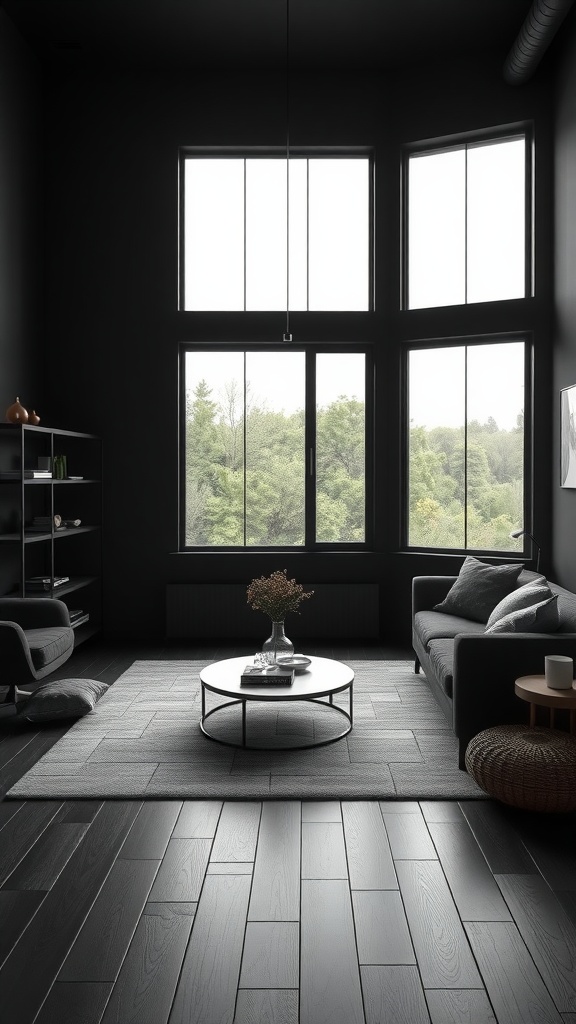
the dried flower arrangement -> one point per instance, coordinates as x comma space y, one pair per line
276, 595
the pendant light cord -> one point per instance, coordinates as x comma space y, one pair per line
287, 336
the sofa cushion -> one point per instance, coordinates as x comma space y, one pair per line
62, 698
478, 589
442, 657
436, 625
523, 597
46, 645
537, 618
566, 609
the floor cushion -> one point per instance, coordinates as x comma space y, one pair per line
62, 698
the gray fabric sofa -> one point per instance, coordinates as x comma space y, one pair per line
472, 674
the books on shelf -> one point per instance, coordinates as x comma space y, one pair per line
29, 474
78, 617
45, 582
271, 675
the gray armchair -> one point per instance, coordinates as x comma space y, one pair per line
35, 639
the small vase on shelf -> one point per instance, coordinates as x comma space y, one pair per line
16, 413
278, 645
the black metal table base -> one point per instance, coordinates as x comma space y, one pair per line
244, 745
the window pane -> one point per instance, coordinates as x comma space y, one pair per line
496, 221
466, 447
339, 234
214, 234
436, 229
275, 448
340, 447
495, 450
298, 234
214, 451
436, 413
265, 234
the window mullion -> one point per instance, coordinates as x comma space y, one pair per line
465, 447
310, 454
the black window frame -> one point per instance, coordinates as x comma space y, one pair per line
445, 144
458, 342
310, 542
276, 152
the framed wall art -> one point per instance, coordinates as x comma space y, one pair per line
568, 437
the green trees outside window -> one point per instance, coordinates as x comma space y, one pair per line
246, 456
466, 446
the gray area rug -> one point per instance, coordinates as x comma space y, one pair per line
143, 741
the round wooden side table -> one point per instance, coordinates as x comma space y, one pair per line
534, 690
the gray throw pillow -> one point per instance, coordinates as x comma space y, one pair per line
538, 618
478, 589
529, 594
63, 698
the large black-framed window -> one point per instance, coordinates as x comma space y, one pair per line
276, 447
467, 204
468, 444
234, 209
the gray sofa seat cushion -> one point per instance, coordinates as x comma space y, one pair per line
47, 645
478, 589
442, 657
437, 626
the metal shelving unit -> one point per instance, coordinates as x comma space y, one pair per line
43, 553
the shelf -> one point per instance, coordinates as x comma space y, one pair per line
32, 552
33, 538
77, 583
13, 427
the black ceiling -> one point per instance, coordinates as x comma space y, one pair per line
184, 34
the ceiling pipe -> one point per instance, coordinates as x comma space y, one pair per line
540, 26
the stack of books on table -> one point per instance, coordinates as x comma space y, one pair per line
45, 582
271, 675
28, 474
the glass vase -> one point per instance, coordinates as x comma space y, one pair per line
278, 645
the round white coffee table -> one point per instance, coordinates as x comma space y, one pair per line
323, 678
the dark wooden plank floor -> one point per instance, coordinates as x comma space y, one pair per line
285, 912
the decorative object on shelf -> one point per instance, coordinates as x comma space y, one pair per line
568, 437
59, 467
45, 463
276, 596
33, 418
16, 413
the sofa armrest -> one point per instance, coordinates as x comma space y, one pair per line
429, 590
485, 669
34, 612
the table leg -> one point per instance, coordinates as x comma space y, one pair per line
532, 715
552, 718
572, 720
244, 723
203, 703
351, 706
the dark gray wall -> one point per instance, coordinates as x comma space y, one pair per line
21, 245
114, 332
21, 254
564, 499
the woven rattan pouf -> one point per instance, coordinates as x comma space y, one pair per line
534, 769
